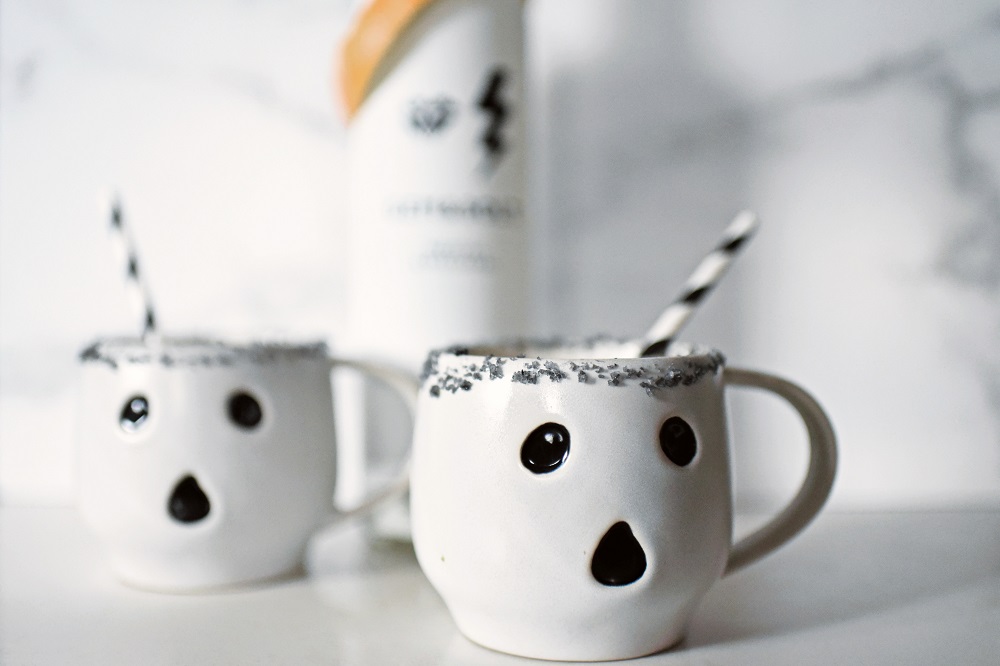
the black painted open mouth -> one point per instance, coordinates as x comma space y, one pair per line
619, 559
188, 503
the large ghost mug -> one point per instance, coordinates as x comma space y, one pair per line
205, 464
575, 504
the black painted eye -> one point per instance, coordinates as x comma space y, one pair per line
678, 441
134, 413
546, 448
244, 410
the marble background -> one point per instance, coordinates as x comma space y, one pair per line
866, 135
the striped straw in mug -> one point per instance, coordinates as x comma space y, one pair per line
135, 284
702, 281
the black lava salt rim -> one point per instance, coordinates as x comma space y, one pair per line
197, 352
524, 362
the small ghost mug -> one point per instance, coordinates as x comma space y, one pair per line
204, 464
575, 504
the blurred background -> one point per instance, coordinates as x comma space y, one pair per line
866, 135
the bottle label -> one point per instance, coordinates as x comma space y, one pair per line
437, 193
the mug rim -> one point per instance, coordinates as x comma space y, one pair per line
618, 361
197, 351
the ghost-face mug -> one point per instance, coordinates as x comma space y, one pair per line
576, 504
204, 464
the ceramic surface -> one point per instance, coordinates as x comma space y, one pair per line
203, 464
579, 509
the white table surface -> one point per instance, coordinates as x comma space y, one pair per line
855, 588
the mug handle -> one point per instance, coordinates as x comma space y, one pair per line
819, 477
408, 387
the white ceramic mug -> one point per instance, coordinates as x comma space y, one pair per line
205, 464
575, 504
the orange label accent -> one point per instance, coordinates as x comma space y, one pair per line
377, 28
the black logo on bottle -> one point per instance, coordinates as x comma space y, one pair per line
491, 103
431, 116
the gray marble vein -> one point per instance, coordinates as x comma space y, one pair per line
125, 52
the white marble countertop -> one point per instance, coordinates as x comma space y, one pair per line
860, 588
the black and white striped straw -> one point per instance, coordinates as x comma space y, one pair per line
702, 281
135, 284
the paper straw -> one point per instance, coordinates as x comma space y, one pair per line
699, 285
135, 285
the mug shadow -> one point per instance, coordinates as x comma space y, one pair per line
848, 567
290, 578
384, 608
355, 570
